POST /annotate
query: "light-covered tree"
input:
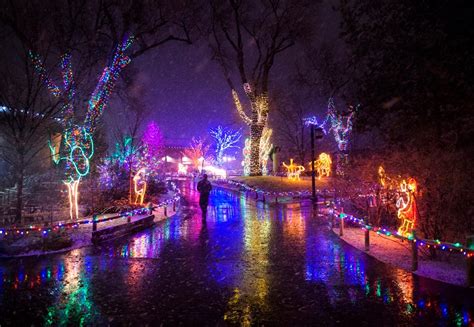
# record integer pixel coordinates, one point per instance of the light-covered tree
(248, 36)
(224, 139)
(196, 152)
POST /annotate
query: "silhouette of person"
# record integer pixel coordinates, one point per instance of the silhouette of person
(204, 188)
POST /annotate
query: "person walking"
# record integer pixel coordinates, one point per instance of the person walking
(204, 188)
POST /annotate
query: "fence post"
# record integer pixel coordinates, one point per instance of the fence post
(174, 206)
(341, 223)
(414, 250)
(166, 211)
(263, 197)
(129, 218)
(276, 199)
(470, 261)
(94, 223)
(367, 236)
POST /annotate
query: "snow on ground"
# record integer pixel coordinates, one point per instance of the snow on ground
(82, 235)
(397, 253)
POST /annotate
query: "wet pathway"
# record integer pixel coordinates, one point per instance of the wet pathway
(250, 264)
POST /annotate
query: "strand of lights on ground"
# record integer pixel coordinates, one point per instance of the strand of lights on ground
(254, 189)
(437, 244)
(97, 219)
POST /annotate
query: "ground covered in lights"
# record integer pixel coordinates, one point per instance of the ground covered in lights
(282, 183)
(248, 264)
(447, 268)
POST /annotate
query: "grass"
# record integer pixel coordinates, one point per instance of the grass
(282, 184)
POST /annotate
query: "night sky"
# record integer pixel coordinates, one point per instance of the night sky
(187, 94)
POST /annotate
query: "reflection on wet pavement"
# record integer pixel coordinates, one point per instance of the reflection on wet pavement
(248, 264)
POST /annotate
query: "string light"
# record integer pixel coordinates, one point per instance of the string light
(246, 187)
(61, 226)
(293, 171)
(139, 186)
(257, 122)
(225, 139)
(106, 84)
(246, 154)
(240, 109)
(265, 148)
(436, 244)
(77, 139)
(341, 127)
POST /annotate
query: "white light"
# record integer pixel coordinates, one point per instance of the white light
(219, 172)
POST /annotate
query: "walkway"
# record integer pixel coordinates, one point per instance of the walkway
(250, 264)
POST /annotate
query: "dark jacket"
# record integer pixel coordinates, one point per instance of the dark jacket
(204, 187)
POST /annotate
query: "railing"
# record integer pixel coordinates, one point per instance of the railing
(95, 220)
(466, 250)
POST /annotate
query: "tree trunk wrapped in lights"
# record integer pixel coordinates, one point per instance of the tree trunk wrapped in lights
(257, 122)
(248, 44)
(265, 149)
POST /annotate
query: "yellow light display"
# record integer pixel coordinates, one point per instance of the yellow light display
(293, 171)
(240, 109)
(323, 165)
(406, 205)
(382, 176)
(265, 149)
(139, 186)
(72, 188)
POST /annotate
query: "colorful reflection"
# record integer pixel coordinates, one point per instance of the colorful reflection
(399, 288)
(244, 260)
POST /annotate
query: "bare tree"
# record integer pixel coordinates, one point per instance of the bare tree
(27, 116)
(291, 129)
(88, 29)
(248, 36)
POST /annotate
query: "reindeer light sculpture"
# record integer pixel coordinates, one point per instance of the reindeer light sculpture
(139, 186)
(77, 146)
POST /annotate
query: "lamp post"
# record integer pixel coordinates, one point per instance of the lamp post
(316, 133)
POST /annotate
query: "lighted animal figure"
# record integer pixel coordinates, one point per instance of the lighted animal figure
(139, 186)
(77, 146)
(246, 153)
(323, 165)
(406, 205)
(293, 171)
